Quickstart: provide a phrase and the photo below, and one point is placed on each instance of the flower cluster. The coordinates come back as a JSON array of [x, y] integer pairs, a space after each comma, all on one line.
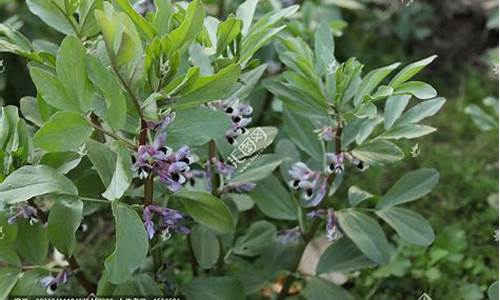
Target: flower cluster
[[311, 183], [160, 160], [227, 171], [326, 133], [335, 163], [52, 283], [23, 210], [332, 227], [239, 120], [169, 221]]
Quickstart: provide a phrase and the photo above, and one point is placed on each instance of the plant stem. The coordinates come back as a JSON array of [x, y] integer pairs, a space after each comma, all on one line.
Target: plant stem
[[194, 264], [212, 158], [314, 226], [99, 134], [75, 267], [73, 264], [113, 135]]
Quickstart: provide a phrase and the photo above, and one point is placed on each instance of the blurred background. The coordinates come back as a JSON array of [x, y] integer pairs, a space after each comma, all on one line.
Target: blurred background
[[463, 210]]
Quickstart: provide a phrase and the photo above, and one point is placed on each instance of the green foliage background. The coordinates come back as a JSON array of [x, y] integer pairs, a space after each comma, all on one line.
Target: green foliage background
[[463, 261]]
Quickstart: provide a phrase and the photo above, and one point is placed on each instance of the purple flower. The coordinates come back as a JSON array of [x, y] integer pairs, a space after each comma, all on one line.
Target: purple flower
[[238, 112], [52, 283], [166, 119], [169, 221], [287, 235], [332, 228], [144, 6], [326, 133], [311, 183], [239, 188], [357, 162], [335, 163], [160, 160], [23, 210]]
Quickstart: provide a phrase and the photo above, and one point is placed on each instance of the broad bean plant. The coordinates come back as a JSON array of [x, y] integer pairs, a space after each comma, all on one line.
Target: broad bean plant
[[141, 133]]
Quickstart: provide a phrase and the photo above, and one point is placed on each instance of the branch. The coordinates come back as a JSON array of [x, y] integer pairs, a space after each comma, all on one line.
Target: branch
[[113, 135], [315, 225], [73, 264]]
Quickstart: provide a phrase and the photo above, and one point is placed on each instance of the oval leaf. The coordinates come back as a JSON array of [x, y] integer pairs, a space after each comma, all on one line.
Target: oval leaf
[[366, 233], [30, 181], [409, 225], [131, 244], [411, 186], [208, 210]]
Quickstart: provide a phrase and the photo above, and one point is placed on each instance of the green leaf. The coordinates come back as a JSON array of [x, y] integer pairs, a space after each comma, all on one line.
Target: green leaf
[[246, 84], [103, 159], [138, 285], [366, 233], [8, 254], [207, 88], [214, 288], [493, 291], [190, 27], [29, 109], [208, 210], [378, 152], [407, 131], [205, 246], [419, 89], [357, 195], [53, 136], [32, 243], [342, 256], [256, 170], [31, 181], [372, 80], [409, 71], [197, 126], [324, 47], [481, 119], [9, 231], [411, 186], [29, 284], [116, 102], [8, 279], [64, 218], [52, 90], [50, 14], [409, 225], [122, 176], [245, 12], [301, 131], [63, 162], [259, 235], [422, 110], [227, 31], [72, 72], [145, 28], [394, 107], [131, 244], [274, 200], [318, 288], [247, 145], [256, 40]]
